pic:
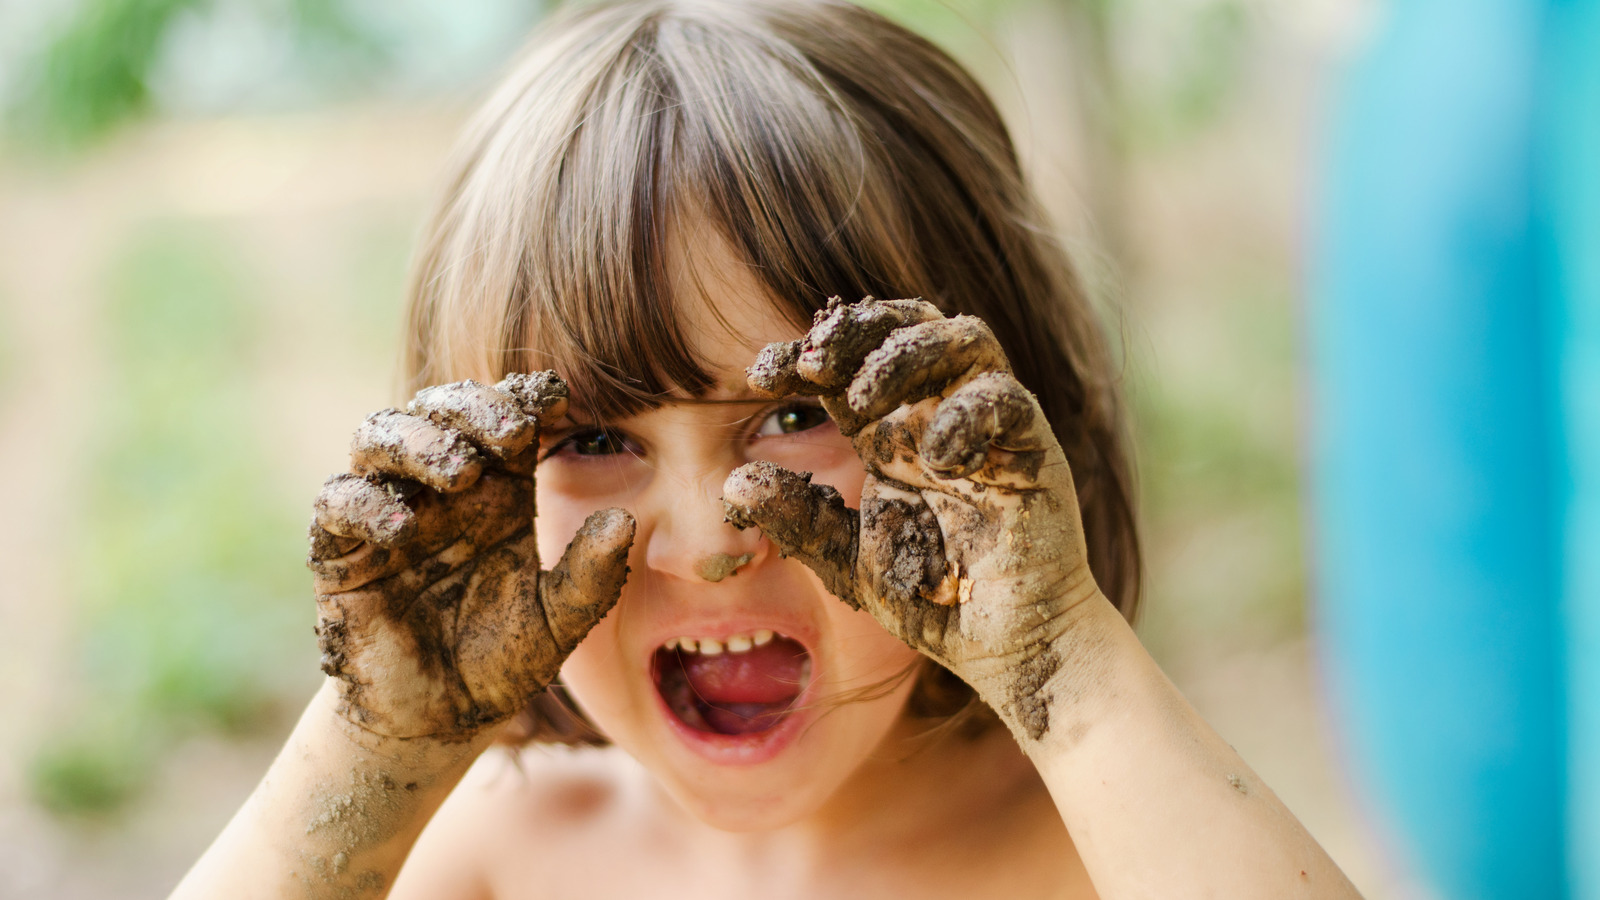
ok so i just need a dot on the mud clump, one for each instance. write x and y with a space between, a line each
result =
907 548
391 442
718 566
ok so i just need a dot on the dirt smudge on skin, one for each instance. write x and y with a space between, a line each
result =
718 566
1028 695
352 819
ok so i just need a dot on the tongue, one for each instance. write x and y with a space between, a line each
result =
767 674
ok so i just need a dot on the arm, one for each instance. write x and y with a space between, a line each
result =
1156 802
969 547
436 624
335 815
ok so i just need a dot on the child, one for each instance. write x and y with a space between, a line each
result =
906 673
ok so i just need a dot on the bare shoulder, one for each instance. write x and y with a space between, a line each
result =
517 820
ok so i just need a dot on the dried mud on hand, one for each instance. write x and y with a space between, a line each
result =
433 612
968 543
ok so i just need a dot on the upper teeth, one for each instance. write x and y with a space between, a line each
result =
733 643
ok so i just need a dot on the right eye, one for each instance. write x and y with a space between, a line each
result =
593 442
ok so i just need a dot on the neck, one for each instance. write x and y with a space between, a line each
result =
920 786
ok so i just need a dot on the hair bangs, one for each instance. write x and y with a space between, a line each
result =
599 303
691 119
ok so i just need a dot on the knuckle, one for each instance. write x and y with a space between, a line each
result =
542 396
774 372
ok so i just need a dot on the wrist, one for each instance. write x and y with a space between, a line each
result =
342 806
1048 692
424 753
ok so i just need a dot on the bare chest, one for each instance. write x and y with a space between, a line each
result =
635 866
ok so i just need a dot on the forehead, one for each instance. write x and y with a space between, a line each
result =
727 313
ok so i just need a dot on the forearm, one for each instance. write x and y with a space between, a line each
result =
1156 802
335 815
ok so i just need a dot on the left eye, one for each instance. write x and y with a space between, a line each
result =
793 419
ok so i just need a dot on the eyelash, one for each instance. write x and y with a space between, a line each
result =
812 407
571 441
586 434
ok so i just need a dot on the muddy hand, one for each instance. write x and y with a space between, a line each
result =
968 544
432 610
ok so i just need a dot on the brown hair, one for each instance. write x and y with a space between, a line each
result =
836 152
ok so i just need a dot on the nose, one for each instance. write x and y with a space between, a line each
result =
688 536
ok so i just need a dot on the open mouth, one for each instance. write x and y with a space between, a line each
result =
735 685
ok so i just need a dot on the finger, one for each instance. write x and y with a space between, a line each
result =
773 375
451 530
542 396
585 584
845 333
490 419
991 410
806 521
351 507
921 361
327 545
395 444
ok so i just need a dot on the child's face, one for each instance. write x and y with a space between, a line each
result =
747 739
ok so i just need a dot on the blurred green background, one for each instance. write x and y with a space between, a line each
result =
206 207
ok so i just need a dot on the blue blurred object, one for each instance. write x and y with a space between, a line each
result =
1455 335
1571 155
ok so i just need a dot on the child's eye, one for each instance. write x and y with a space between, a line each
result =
593 442
792 419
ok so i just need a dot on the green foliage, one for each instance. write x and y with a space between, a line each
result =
94 74
1200 74
190 571
956 25
91 770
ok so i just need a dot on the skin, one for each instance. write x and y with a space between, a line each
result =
938 459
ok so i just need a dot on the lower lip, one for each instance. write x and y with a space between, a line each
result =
741 749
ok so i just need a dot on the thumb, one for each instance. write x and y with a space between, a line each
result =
806 521
585 584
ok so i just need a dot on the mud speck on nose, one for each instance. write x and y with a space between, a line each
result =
718 566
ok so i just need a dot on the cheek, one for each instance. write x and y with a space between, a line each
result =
830 458
592 676
568 490
557 521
